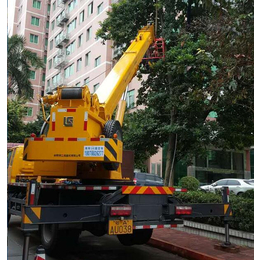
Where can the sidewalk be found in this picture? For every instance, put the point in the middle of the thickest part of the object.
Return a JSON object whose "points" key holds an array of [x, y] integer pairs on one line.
{"points": [[195, 247]]}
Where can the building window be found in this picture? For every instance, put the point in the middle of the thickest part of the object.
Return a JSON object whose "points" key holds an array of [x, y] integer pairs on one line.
{"points": [[35, 21], [100, 8], [80, 40], [72, 5], [47, 25], [81, 17], [50, 64], [86, 81], [43, 77], [51, 45], [130, 98], [48, 83], [70, 48], [36, 4], [219, 159], [69, 71], [95, 87], [46, 42], [45, 59], [49, 8], [52, 25], [77, 85], [56, 80], [32, 74], [72, 25], [153, 168], [79, 62], [29, 111], [55, 59], [98, 61], [158, 169], [53, 6], [90, 9], [88, 34], [34, 38], [87, 59]]}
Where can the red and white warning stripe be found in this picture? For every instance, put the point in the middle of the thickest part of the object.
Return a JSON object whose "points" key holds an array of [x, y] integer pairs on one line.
{"points": [[76, 139], [53, 121], [158, 226], [67, 110], [76, 187], [100, 139], [180, 190], [85, 121], [32, 193], [20, 184], [97, 188]]}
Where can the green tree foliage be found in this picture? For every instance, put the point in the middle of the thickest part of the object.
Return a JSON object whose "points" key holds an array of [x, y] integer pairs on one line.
{"points": [[15, 126], [208, 67], [20, 62], [17, 130]]}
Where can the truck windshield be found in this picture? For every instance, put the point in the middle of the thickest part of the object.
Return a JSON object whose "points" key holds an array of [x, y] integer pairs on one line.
{"points": [[9, 157]]}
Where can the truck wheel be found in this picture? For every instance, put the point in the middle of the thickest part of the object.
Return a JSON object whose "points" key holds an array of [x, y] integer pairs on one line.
{"points": [[49, 237], [54, 239], [142, 236], [126, 240], [112, 127]]}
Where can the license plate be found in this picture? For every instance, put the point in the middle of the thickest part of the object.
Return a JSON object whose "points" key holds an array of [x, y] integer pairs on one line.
{"points": [[119, 227]]}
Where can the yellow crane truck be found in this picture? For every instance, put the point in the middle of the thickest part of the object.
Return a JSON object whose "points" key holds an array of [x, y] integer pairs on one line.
{"points": [[69, 178]]}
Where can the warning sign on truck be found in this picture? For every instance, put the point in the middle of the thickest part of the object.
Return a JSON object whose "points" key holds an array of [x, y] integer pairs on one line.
{"points": [[93, 151]]}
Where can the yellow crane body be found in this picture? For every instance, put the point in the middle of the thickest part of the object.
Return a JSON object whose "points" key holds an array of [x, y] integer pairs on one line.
{"points": [[80, 128]]}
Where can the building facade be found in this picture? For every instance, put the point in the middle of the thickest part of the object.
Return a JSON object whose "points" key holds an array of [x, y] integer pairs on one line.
{"points": [[31, 19], [75, 56]]}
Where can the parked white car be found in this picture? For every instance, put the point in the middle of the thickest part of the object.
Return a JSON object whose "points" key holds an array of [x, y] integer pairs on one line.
{"points": [[238, 186]]}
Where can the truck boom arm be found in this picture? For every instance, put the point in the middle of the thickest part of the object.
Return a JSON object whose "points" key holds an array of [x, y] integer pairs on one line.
{"points": [[110, 91]]}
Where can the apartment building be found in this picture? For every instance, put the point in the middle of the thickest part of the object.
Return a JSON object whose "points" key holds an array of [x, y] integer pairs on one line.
{"points": [[75, 56], [31, 19]]}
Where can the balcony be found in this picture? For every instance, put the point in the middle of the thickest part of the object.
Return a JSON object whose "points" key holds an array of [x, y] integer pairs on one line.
{"points": [[60, 61], [62, 40], [63, 18]]}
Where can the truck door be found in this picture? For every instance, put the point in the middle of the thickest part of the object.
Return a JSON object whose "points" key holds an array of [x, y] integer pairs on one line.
{"points": [[10, 159]]}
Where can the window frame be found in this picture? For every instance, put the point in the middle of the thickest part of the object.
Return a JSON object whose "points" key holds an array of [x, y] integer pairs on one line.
{"points": [[34, 37], [98, 61], [36, 19]]}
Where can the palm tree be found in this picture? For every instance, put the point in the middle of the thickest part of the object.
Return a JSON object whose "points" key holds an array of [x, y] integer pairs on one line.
{"points": [[20, 61]]}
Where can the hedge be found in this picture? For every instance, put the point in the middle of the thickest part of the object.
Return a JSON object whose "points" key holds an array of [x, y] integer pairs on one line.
{"points": [[190, 183], [242, 207]]}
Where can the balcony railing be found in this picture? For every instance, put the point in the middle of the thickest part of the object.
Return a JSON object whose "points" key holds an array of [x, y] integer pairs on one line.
{"points": [[63, 18], [61, 61], [62, 40]]}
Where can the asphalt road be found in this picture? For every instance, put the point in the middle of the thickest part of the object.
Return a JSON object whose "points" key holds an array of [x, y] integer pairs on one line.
{"points": [[89, 248]]}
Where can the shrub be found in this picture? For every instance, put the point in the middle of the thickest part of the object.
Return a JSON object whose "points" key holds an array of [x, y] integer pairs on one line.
{"points": [[249, 194], [189, 183], [242, 208]]}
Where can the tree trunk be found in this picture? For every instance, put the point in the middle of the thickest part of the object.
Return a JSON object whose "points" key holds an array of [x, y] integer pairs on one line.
{"points": [[169, 171]]}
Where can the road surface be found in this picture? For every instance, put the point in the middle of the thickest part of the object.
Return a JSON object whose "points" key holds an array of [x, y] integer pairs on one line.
{"points": [[89, 248]]}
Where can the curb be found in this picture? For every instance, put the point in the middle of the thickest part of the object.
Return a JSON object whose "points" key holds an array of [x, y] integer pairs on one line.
{"points": [[181, 251]]}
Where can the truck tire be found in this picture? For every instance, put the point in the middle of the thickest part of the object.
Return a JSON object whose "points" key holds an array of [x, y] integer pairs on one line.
{"points": [[139, 237], [49, 237], [142, 236], [126, 240], [54, 239], [112, 127]]}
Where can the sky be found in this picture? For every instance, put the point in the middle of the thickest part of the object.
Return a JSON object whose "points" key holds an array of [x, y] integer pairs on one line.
{"points": [[10, 16]]}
